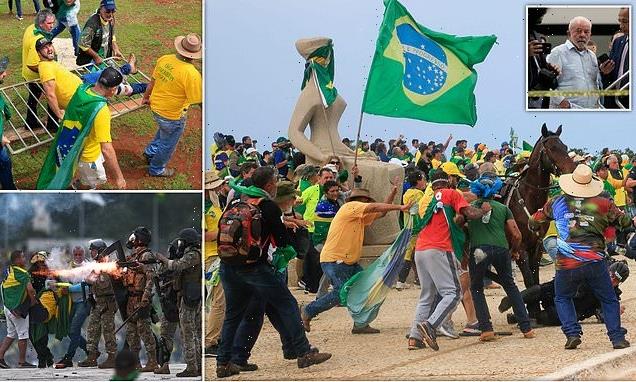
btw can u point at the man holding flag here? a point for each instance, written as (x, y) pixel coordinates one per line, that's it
(85, 135)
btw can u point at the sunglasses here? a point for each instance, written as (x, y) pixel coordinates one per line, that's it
(334, 162)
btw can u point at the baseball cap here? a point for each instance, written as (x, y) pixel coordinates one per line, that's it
(504, 143)
(110, 77)
(250, 150)
(41, 43)
(108, 4)
(451, 168)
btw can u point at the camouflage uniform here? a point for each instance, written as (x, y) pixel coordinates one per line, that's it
(138, 280)
(189, 297)
(166, 281)
(102, 316)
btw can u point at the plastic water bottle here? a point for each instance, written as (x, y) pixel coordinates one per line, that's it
(486, 217)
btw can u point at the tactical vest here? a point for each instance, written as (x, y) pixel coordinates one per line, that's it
(190, 282)
(102, 287)
(95, 23)
(135, 278)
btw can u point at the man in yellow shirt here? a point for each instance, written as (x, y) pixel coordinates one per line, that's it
(176, 84)
(42, 27)
(98, 154)
(343, 248)
(215, 300)
(60, 83)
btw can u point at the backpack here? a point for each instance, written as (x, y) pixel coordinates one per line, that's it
(239, 239)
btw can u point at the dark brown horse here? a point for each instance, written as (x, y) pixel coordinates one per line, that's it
(529, 192)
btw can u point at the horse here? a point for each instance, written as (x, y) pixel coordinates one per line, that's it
(528, 192)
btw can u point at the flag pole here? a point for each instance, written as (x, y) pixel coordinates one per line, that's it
(355, 157)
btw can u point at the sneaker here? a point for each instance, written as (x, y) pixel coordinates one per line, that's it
(622, 344)
(364, 330)
(227, 370)
(428, 333)
(471, 329)
(446, 329)
(572, 342)
(167, 173)
(211, 351)
(247, 366)
(312, 359)
(302, 285)
(3, 364)
(305, 318)
(20, 18)
(401, 286)
(26, 365)
(487, 336)
(415, 344)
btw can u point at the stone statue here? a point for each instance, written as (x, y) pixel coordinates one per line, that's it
(320, 107)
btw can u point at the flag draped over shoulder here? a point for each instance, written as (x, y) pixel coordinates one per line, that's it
(59, 166)
(364, 293)
(14, 287)
(422, 74)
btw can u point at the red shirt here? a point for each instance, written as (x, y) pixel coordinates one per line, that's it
(436, 234)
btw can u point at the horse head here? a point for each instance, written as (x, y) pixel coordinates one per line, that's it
(552, 153)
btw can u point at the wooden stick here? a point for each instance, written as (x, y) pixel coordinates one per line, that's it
(355, 158)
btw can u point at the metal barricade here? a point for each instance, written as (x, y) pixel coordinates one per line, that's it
(23, 137)
(617, 85)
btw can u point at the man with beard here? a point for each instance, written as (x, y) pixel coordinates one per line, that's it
(97, 41)
(579, 67)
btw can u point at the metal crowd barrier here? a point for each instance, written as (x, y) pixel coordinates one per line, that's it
(617, 85)
(23, 137)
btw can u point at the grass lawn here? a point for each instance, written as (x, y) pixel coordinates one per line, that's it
(146, 28)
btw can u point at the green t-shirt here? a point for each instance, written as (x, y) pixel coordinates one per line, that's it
(493, 232)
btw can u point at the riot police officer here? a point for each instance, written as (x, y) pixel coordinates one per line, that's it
(166, 285)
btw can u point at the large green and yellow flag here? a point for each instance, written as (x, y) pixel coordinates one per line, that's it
(59, 166)
(421, 74)
(14, 287)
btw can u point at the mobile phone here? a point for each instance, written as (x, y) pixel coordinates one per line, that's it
(546, 47)
(602, 58)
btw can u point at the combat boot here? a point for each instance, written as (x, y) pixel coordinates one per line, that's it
(109, 363)
(90, 361)
(151, 365)
(190, 371)
(164, 369)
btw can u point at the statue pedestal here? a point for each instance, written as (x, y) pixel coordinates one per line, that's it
(377, 177)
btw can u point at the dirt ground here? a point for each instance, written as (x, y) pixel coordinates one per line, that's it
(385, 356)
(85, 374)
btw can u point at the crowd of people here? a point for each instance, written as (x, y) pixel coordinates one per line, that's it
(40, 299)
(79, 105)
(462, 232)
(574, 66)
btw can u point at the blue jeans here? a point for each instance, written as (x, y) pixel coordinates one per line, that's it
(93, 76)
(596, 276)
(79, 313)
(18, 6)
(499, 258)
(338, 274)
(73, 29)
(6, 174)
(162, 147)
(243, 283)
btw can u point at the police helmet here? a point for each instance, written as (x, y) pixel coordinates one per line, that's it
(140, 236)
(190, 237)
(97, 244)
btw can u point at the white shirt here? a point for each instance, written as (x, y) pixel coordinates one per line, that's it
(579, 71)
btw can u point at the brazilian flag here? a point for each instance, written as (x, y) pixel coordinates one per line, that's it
(59, 166)
(421, 74)
(527, 146)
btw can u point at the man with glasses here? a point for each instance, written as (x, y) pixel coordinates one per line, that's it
(97, 41)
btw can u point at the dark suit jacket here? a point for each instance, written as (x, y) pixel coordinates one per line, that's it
(615, 54)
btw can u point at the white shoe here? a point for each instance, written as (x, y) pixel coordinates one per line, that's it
(447, 330)
(401, 285)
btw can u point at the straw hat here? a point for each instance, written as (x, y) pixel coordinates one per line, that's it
(360, 193)
(212, 180)
(189, 46)
(581, 183)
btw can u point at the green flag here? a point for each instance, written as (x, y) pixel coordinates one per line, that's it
(321, 63)
(5, 113)
(421, 74)
(59, 166)
(527, 146)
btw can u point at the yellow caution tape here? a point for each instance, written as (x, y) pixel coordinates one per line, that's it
(577, 93)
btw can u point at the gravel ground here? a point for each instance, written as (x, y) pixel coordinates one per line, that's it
(385, 356)
(84, 374)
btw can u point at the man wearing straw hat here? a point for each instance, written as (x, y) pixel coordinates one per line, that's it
(176, 84)
(581, 217)
(215, 299)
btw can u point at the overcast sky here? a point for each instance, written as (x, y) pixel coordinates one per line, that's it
(253, 72)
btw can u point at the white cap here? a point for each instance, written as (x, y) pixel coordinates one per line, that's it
(250, 150)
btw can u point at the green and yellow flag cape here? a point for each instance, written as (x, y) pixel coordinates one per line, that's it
(14, 287)
(62, 158)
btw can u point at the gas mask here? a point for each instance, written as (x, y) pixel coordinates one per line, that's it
(176, 249)
(131, 241)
